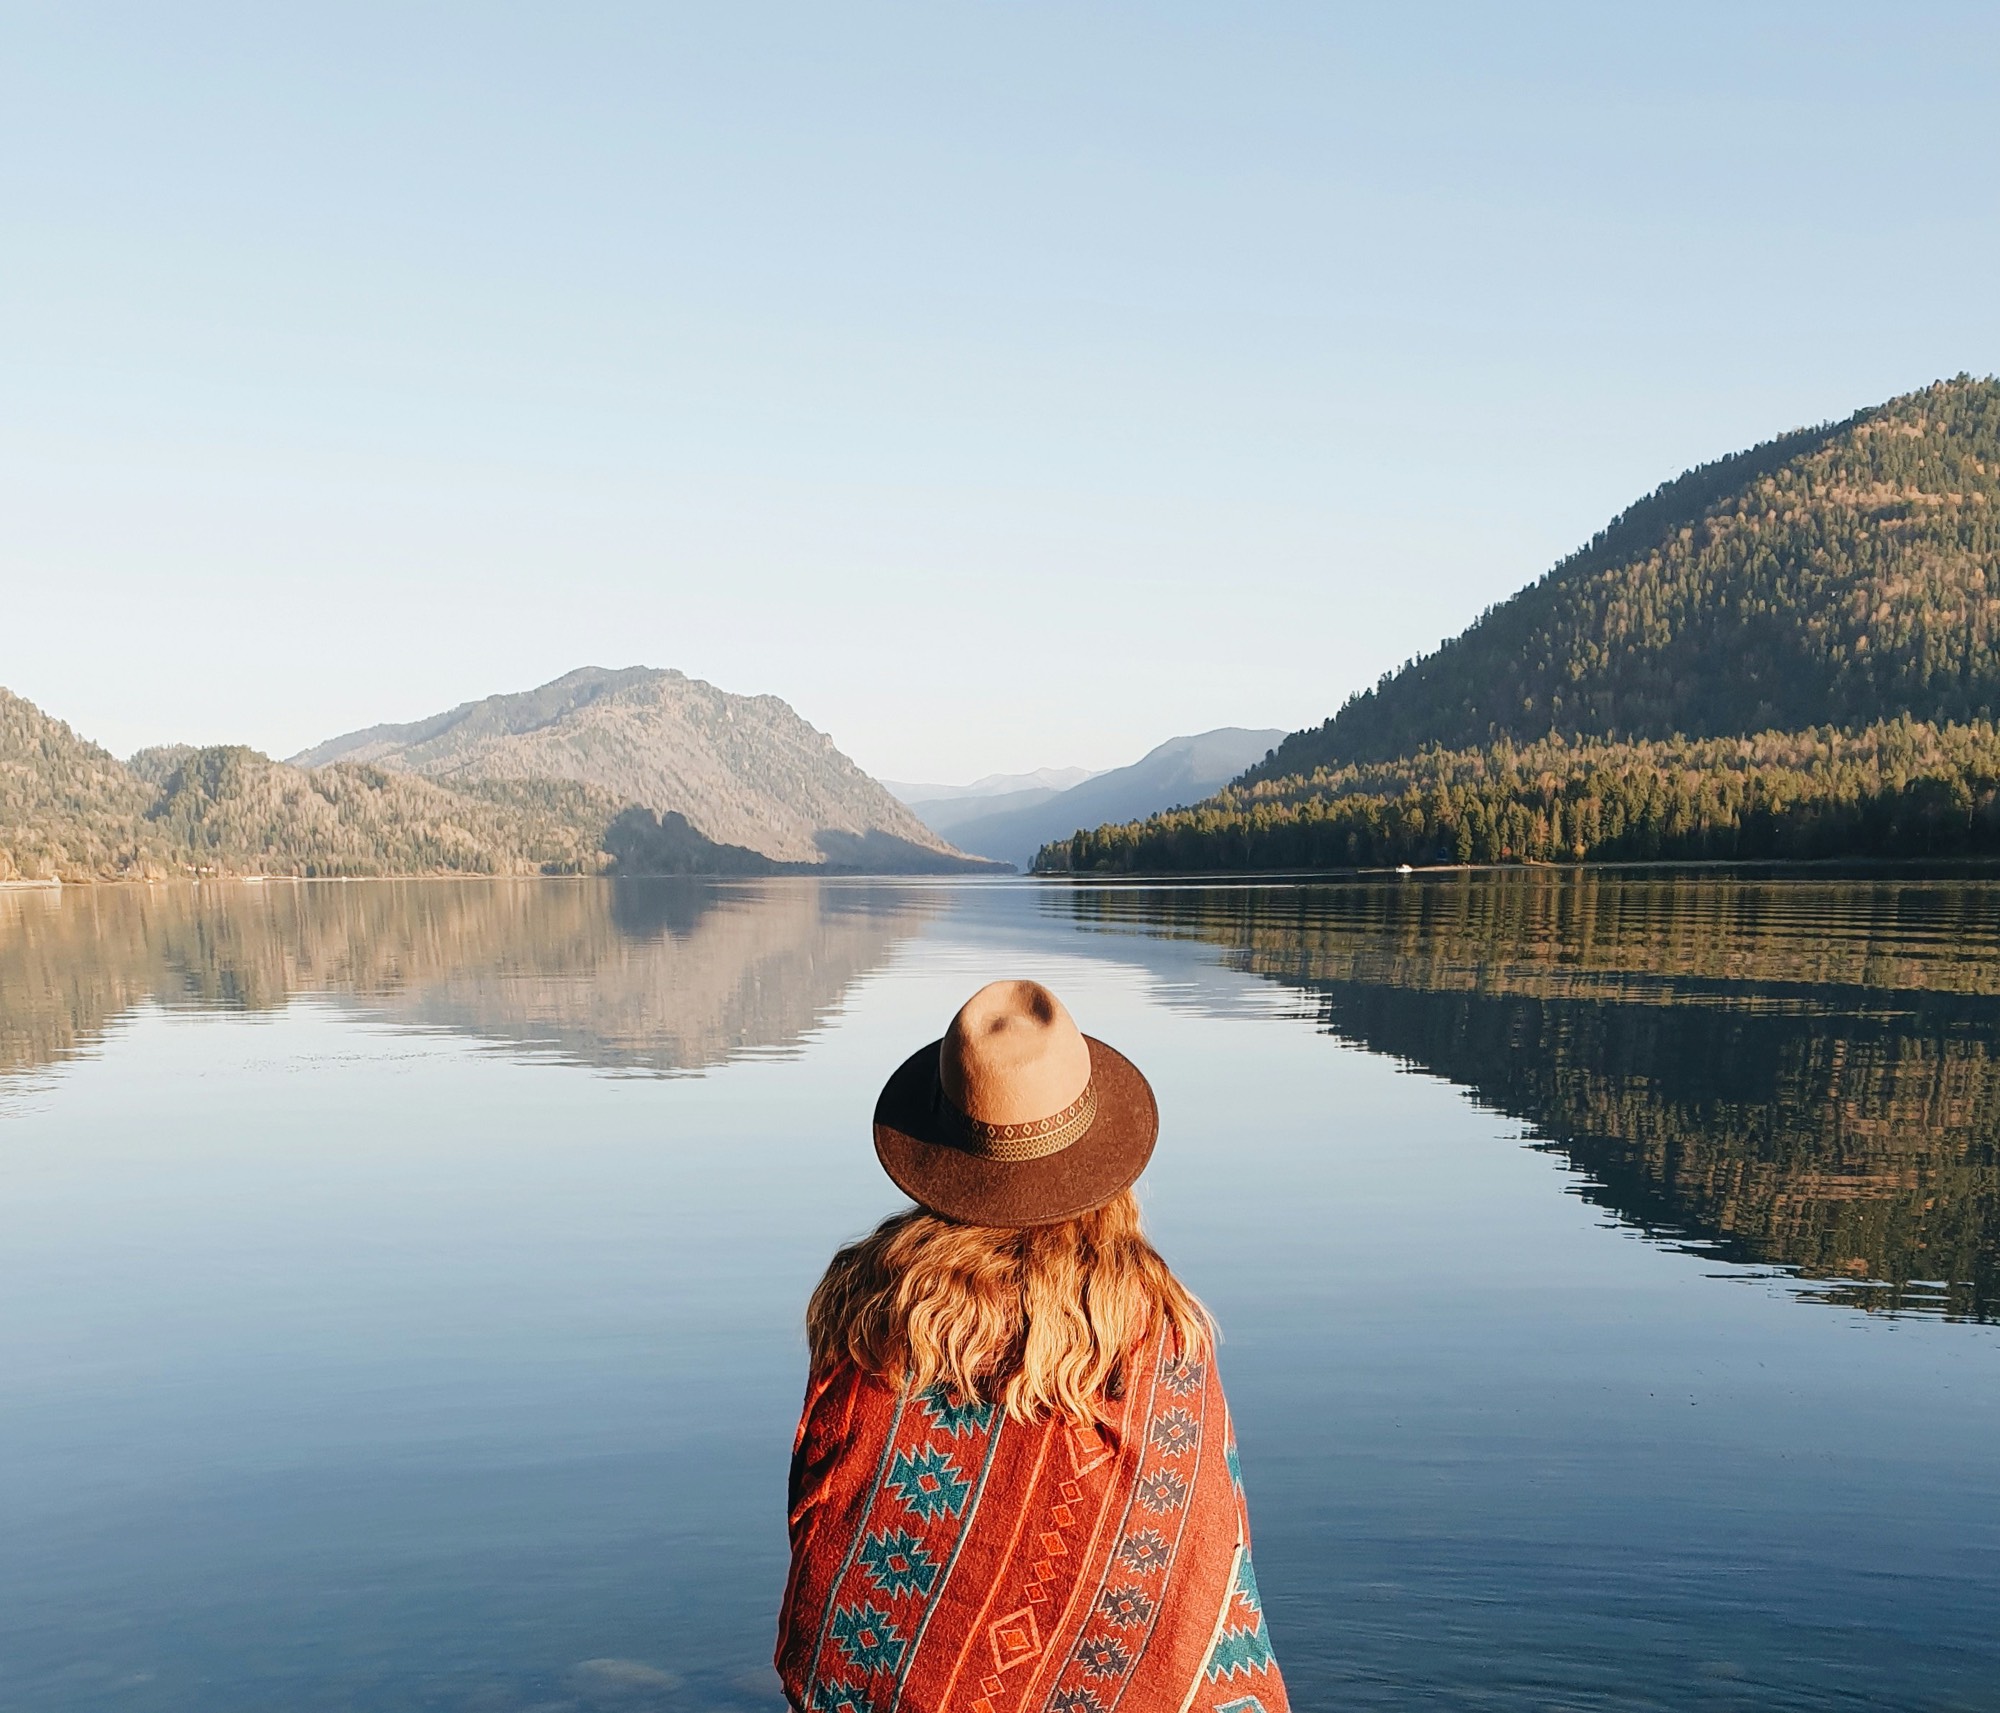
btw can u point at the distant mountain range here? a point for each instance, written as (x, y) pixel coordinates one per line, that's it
(942, 807)
(1011, 826)
(637, 771)
(1793, 651)
(1049, 779)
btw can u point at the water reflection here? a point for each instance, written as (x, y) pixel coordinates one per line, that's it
(1797, 1074)
(349, 1371)
(653, 976)
(1794, 1074)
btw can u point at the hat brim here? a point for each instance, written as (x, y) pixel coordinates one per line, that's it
(916, 1141)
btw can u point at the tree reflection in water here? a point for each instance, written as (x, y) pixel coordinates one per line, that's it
(1795, 1073)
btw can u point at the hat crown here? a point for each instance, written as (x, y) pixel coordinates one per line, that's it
(1013, 1055)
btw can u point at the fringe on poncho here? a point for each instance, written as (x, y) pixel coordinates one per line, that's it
(948, 1559)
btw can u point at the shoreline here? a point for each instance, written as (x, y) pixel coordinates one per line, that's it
(59, 884)
(1823, 867)
(1708, 865)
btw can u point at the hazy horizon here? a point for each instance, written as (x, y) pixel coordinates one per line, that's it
(1002, 388)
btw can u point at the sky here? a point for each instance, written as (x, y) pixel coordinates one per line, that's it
(1004, 386)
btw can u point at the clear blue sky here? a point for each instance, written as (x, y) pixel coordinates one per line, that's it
(1003, 385)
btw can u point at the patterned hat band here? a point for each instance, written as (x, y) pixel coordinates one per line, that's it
(1034, 1140)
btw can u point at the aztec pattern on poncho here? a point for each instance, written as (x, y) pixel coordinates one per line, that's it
(946, 1559)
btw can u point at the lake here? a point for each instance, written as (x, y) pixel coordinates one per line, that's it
(400, 1282)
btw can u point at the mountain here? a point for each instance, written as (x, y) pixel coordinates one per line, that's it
(1178, 771)
(1049, 779)
(1899, 788)
(1789, 653)
(943, 807)
(229, 809)
(741, 770)
(940, 803)
(1836, 575)
(945, 818)
(70, 810)
(66, 806)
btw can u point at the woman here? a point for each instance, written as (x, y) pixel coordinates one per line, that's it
(1014, 1488)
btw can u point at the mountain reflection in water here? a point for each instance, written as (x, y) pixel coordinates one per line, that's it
(1795, 1073)
(657, 977)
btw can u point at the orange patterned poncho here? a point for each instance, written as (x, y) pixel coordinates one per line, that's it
(948, 1559)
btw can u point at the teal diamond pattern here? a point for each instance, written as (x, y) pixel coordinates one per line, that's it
(928, 1482)
(897, 1563)
(868, 1638)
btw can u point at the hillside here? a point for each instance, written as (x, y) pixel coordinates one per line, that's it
(68, 807)
(1834, 576)
(1181, 770)
(742, 770)
(232, 809)
(70, 810)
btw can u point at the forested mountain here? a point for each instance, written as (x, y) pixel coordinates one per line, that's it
(1834, 576)
(1902, 788)
(742, 770)
(66, 806)
(231, 809)
(69, 810)
(1794, 652)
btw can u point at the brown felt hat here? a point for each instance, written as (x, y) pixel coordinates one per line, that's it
(1016, 1117)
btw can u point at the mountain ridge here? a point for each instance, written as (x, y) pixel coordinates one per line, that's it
(1049, 780)
(742, 770)
(506, 713)
(72, 811)
(1789, 652)
(1748, 594)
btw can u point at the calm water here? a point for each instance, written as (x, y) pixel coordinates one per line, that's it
(400, 1282)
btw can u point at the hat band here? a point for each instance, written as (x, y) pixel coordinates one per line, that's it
(1034, 1140)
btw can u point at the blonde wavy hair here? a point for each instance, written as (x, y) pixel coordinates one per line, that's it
(1039, 1321)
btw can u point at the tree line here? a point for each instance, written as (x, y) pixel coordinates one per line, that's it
(1898, 788)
